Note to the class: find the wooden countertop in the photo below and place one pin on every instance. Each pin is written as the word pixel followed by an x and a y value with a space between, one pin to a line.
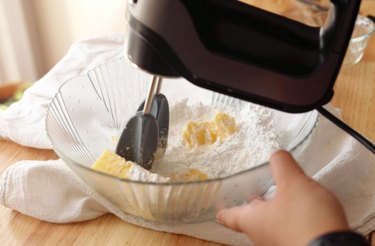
pixel 354 94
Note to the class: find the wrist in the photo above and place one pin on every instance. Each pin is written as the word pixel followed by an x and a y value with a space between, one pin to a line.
pixel 340 238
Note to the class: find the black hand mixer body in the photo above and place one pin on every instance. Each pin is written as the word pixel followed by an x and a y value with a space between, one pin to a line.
pixel 240 50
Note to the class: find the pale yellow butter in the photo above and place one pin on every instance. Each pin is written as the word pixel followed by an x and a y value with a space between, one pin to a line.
pixel 208 132
pixel 113 164
pixel 190 174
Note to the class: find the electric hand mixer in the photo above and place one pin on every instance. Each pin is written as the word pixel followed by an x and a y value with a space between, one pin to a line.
pixel 239 50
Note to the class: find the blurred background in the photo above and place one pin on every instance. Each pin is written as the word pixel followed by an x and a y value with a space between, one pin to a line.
pixel 35 34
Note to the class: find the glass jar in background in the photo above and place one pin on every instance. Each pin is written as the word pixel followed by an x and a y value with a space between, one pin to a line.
pixel 363 30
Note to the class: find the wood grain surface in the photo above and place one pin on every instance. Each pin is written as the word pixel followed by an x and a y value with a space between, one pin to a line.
pixel 354 95
pixel 19 229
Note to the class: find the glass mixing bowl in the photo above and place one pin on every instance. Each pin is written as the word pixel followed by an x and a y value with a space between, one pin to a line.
pixel 88 114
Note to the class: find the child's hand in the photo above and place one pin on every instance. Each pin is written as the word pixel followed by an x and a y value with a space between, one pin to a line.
pixel 300 211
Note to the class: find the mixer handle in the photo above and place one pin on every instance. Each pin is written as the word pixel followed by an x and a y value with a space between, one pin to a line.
pixel 241 50
pixel 341 15
pixel 255 36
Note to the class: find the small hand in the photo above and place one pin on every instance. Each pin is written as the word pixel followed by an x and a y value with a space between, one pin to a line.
pixel 300 211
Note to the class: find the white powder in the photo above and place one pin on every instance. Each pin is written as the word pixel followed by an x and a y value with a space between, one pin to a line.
pixel 250 146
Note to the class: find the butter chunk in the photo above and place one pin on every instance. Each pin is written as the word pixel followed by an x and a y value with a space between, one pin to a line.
pixel 190 174
pixel 208 132
pixel 200 133
pixel 225 125
pixel 113 164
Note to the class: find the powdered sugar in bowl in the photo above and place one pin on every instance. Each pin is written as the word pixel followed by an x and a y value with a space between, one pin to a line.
pixel 81 127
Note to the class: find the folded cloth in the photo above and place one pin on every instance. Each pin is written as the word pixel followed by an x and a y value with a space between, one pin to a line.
pixel 23 122
pixel 50 191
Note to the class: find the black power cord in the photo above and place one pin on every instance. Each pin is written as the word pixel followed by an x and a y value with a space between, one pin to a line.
pixel 365 142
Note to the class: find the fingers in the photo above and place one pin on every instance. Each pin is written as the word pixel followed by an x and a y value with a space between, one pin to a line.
pixel 239 218
pixel 284 168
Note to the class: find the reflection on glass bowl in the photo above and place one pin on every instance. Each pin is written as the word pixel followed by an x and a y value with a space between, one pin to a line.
pixel 89 111
pixel 363 30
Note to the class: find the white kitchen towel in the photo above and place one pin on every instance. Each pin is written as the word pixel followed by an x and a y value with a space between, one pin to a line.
pixel 50 191
pixel 24 121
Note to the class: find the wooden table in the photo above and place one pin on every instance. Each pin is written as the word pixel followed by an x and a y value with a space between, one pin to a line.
pixel 354 94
